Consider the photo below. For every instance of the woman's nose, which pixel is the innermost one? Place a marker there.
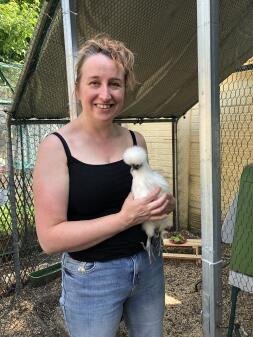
(105, 93)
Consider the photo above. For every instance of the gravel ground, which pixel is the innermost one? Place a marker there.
(36, 312)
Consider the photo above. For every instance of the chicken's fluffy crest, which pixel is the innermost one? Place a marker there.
(135, 155)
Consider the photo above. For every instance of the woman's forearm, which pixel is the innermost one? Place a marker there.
(79, 235)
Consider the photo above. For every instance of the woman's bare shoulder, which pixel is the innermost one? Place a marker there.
(50, 143)
(139, 137)
(50, 153)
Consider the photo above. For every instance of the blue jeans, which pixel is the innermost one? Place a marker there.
(96, 295)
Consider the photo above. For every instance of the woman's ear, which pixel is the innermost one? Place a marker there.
(77, 94)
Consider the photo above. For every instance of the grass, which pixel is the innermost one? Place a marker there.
(25, 231)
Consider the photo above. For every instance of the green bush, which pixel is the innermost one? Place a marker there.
(17, 23)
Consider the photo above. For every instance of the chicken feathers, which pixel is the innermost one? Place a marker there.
(144, 181)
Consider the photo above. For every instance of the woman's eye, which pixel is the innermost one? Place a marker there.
(94, 83)
(115, 84)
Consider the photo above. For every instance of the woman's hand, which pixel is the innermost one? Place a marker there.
(155, 206)
(171, 203)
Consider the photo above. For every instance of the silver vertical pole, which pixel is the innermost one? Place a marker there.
(70, 40)
(208, 80)
(175, 173)
(12, 198)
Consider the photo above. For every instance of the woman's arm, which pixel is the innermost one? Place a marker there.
(51, 188)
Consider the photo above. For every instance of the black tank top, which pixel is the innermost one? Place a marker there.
(96, 191)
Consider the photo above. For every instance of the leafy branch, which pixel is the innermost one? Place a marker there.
(17, 23)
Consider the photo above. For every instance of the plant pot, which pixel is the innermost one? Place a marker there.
(180, 242)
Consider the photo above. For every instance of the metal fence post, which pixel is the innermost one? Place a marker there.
(208, 80)
(24, 199)
(12, 197)
(70, 42)
(176, 224)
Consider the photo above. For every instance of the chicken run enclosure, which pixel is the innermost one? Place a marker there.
(204, 149)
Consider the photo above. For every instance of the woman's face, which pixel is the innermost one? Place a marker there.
(101, 88)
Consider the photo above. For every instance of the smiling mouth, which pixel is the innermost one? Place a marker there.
(104, 106)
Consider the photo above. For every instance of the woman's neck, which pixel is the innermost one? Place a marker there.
(99, 130)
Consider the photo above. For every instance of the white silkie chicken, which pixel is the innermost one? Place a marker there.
(144, 181)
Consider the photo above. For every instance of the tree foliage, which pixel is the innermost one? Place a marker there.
(17, 22)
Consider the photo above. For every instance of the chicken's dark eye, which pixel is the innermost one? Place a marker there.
(136, 167)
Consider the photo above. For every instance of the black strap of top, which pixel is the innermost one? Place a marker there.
(65, 145)
(133, 137)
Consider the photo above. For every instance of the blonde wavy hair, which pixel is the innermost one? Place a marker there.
(116, 50)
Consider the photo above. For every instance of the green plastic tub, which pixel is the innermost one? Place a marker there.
(45, 275)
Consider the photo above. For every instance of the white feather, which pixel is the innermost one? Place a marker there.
(144, 181)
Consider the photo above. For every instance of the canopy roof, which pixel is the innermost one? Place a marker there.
(163, 36)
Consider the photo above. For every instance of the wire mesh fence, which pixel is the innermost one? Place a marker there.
(236, 156)
(25, 141)
(237, 195)
(8, 78)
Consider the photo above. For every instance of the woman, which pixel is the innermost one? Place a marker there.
(84, 208)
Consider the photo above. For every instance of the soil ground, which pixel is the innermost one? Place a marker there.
(36, 311)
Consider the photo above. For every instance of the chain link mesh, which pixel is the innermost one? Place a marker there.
(237, 191)
(25, 140)
(8, 78)
(236, 154)
(236, 126)
(163, 38)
